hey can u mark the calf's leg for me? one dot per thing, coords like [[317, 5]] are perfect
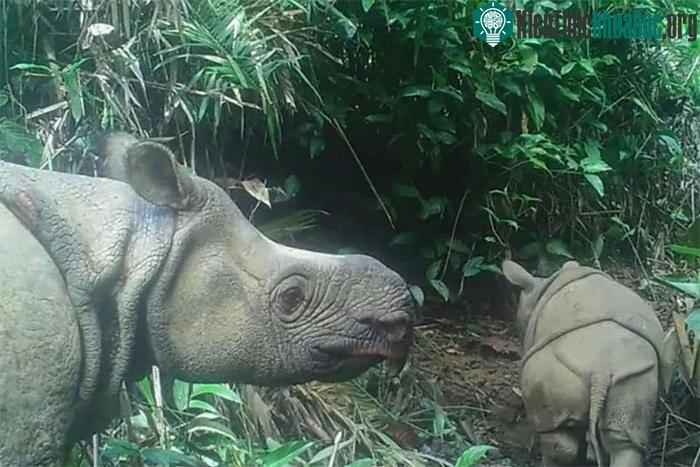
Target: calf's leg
[[560, 447]]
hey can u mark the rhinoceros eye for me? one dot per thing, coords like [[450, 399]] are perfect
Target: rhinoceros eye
[[290, 296]]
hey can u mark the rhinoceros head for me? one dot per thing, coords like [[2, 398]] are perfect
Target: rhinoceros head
[[232, 305], [531, 287]]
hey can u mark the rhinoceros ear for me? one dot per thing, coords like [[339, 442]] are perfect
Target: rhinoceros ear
[[153, 172], [517, 275]]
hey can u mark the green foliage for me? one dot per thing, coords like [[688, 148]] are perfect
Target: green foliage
[[200, 432], [472, 456], [688, 284], [494, 148], [466, 149], [220, 424], [682, 343], [18, 145]]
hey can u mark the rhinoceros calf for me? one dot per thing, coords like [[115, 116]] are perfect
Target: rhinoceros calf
[[591, 365], [101, 278]]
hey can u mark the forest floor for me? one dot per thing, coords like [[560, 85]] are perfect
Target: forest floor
[[475, 359]]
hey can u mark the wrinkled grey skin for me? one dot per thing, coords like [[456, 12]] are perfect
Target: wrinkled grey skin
[[100, 278], [591, 365]]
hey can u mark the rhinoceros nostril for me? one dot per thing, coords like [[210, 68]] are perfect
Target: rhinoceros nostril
[[394, 326]]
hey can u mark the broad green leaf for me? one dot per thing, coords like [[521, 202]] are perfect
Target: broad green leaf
[[535, 107], [181, 391], [327, 452], [692, 235], [16, 139], [511, 223], [462, 68], [693, 322], [367, 5], [203, 405], [596, 183], [416, 91], [568, 93], [141, 420], [672, 144], [432, 206], [168, 457], [558, 247], [591, 149], [435, 104], [491, 268], [490, 99], [473, 455], [32, 67], [201, 424], [147, 391], [363, 463], [473, 266], [404, 238], [685, 250], [418, 294], [598, 125], [646, 109], [530, 250], [346, 23], [587, 65], [541, 67], [220, 390], [451, 92], [691, 288], [316, 145], [283, 455], [566, 69], [378, 118], [538, 163], [442, 123], [528, 57], [292, 186], [508, 83], [593, 166], [441, 288], [598, 245], [75, 94], [432, 271], [459, 246], [115, 448], [407, 191]]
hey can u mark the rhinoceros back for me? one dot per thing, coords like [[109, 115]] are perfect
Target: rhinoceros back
[[39, 349], [581, 297]]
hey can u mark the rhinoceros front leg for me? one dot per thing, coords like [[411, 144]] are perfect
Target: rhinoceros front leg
[[560, 447]]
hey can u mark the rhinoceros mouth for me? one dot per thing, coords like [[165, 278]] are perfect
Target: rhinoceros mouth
[[359, 357]]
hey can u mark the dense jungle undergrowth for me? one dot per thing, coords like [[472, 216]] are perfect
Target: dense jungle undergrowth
[[385, 127]]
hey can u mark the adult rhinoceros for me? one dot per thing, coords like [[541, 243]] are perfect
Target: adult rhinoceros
[[101, 278]]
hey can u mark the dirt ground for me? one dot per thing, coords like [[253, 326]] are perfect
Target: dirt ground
[[472, 349]]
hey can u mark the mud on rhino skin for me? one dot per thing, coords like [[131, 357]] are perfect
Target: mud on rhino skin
[[591, 367], [102, 278]]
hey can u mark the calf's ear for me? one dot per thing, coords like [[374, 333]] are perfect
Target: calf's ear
[[153, 172], [518, 276]]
